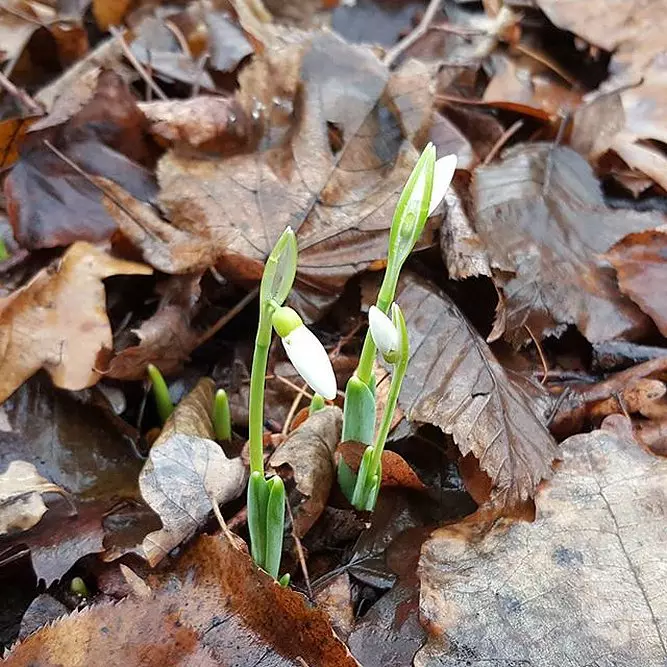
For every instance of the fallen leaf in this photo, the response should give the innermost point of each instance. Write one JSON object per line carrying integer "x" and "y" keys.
{"x": 335, "y": 599}
{"x": 580, "y": 582}
{"x": 333, "y": 170}
{"x": 79, "y": 447}
{"x": 205, "y": 122}
{"x": 110, "y": 12}
{"x": 396, "y": 471}
{"x": 639, "y": 260}
{"x": 42, "y": 610}
{"x": 165, "y": 339}
{"x": 21, "y": 503}
{"x": 17, "y": 24}
{"x": 227, "y": 43}
{"x": 455, "y": 382}
{"x": 186, "y": 471}
{"x": 542, "y": 218}
{"x": 12, "y": 134}
{"x": 308, "y": 453}
{"x": 52, "y": 204}
{"x": 58, "y": 320}
{"x": 632, "y": 30}
{"x": 217, "y": 608}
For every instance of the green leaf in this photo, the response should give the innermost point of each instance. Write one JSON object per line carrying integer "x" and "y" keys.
{"x": 161, "y": 393}
{"x": 275, "y": 525}
{"x": 280, "y": 269}
{"x": 222, "y": 419}
{"x": 258, "y": 495}
{"x": 358, "y": 412}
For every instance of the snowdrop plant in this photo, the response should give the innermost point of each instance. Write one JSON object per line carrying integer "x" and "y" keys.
{"x": 266, "y": 498}
{"x": 422, "y": 194}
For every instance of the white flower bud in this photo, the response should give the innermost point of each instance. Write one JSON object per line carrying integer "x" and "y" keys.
{"x": 383, "y": 331}
{"x": 311, "y": 361}
{"x": 443, "y": 173}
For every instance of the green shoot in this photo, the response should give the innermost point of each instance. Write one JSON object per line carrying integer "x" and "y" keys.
{"x": 161, "y": 393}
{"x": 222, "y": 420}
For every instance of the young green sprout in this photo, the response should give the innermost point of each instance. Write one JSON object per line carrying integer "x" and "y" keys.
{"x": 266, "y": 498}
{"x": 316, "y": 404}
{"x": 161, "y": 393}
{"x": 4, "y": 253}
{"x": 422, "y": 194}
{"x": 222, "y": 419}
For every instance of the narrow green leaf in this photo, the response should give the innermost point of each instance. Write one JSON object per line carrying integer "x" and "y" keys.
{"x": 346, "y": 479}
{"x": 258, "y": 495}
{"x": 222, "y": 419}
{"x": 364, "y": 480}
{"x": 358, "y": 412}
{"x": 284, "y": 580}
{"x": 161, "y": 393}
{"x": 275, "y": 525}
{"x": 316, "y": 404}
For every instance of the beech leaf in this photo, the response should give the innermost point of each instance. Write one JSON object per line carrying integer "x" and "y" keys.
{"x": 455, "y": 382}
{"x": 583, "y": 584}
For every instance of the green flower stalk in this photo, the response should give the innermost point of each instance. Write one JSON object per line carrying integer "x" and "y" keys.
{"x": 222, "y": 418}
{"x": 160, "y": 392}
{"x": 266, "y": 498}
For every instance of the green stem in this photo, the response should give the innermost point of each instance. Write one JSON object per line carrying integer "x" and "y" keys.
{"x": 222, "y": 419}
{"x": 257, "y": 378}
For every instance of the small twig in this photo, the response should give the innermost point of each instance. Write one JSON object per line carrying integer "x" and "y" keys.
{"x": 221, "y": 521}
{"x": 127, "y": 52}
{"x": 20, "y": 95}
{"x": 228, "y": 316}
{"x": 293, "y": 408}
{"x": 409, "y": 40}
{"x": 545, "y": 366}
{"x": 299, "y": 553}
{"x": 502, "y": 140}
{"x": 291, "y": 385}
{"x": 547, "y": 62}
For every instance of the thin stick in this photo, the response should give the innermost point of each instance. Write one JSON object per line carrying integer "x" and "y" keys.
{"x": 409, "y": 40}
{"x": 20, "y": 95}
{"x": 292, "y": 411}
{"x": 299, "y": 553}
{"x": 228, "y": 316}
{"x": 127, "y": 52}
{"x": 290, "y": 384}
{"x": 502, "y": 140}
{"x": 221, "y": 521}
{"x": 545, "y": 366}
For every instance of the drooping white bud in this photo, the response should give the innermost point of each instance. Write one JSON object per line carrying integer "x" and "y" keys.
{"x": 311, "y": 361}
{"x": 442, "y": 178}
{"x": 383, "y": 331}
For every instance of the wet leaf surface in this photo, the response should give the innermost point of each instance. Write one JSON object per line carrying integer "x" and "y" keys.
{"x": 216, "y": 608}
{"x": 186, "y": 471}
{"x": 541, "y": 215}
{"x": 58, "y": 321}
{"x": 456, "y": 383}
{"x": 579, "y": 582}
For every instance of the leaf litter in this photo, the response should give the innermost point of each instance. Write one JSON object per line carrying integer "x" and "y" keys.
{"x": 176, "y": 144}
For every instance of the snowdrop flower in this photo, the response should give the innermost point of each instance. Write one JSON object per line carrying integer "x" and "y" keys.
{"x": 305, "y": 352}
{"x": 442, "y": 177}
{"x": 383, "y": 332}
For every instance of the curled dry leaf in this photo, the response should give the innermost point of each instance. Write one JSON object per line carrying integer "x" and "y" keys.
{"x": 165, "y": 339}
{"x": 335, "y": 156}
{"x": 641, "y": 266}
{"x": 455, "y": 382}
{"x": 58, "y": 321}
{"x": 216, "y": 608}
{"x": 186, "y": 471}
{"x": 308, "y": 453}
{"x": 580, "y": 582}
{"x": 21, "y": 490}
{"x": 396, "y": 471}
{"x": 542, "y": 217}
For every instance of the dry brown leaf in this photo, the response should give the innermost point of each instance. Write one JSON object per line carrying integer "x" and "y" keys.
{"x": 542, "y": 218}
{"x": 332, "y": 169}
{"x": 583, "y": 583}
{"x": 165, "y": 339}
{"x": 639, "y": 260}
{"x": 308, "y": 453}
{"x": 110, "y": 12}
{"x": 217, "y": 608}
{"x": 633, "y": 30}
{"x": 186, "y": 471}
{"x": 455, "y": 382}
{"x": 58, "y": 321}
{"x": 21, "y": 490}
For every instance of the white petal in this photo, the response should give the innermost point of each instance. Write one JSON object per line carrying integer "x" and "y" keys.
{"x": 311, "y": 361}
{"x": 383, "y": 331}
{"x": 442, "y": 178}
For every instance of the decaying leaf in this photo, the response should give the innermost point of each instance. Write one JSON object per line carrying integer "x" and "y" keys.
{"x": 78, "y": 447}
{"x": 335, "y": 156}
{"x": 639, "y": 260}
{"x": 21, "y": 503}
{"x": 583, "y": 583}
{"x": 165, "y": 339}
{"x": 455, "y": 382}
{"x": 58, "y": 321}
{"x": 216, "y": 608}
{"x": 633, "y": 30}
{"x": 308, "y": 453}
{"x": 542, "y": 218}
{"x": 186, "y": 472}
